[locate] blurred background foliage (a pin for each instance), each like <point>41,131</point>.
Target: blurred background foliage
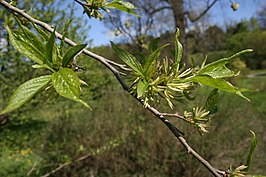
<point>120,138</point>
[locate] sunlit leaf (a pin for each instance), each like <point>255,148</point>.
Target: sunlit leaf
<point>141,88</point>
<point>67,84</point>
<point>71,53</point>
<point>25,46</point>
<point>251,150</point>
<point>57,58</point>
<point>178,48</point>
<point>38,66</point>
<point>129,59</point>
<point>218,83</point>
<point>43,34</point>
<point>123,6</point>
<point>217,69</point>
<point>30,37</point>
<point>25,92</point>
<point>220,72</point>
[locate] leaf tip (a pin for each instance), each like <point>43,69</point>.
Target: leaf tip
<point>241,95</point>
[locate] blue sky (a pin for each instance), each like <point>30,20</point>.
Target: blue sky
<point>220,14</point>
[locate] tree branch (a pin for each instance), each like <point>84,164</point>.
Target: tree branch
<point>202,13</point>
<point>159,9</point>
<point>175,115</point>
<point>105,62</point>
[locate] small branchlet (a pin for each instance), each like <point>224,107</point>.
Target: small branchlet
<point>94,8</point>
<point>199,118</point>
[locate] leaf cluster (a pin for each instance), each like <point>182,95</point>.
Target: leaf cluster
<point>93,8</point>
<point>47,55</point>
<point>165,77</point>
<point>168,78</point>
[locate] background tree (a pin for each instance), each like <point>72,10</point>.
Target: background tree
<point>159,17</point>
<point>261,16</point>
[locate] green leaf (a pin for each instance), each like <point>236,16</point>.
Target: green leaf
<point>211,103</point>
<point>49,48</point>
<point>220,72</point>
<point>71,53</point>
<point>217,69</point>
<point>141,88</point>
<point>57,58</point>
<point>38,66</point>
<point>25,46</point>
<point>178,48</point>
<point>67,84</point>
<point>251,150</point>
<point>43,34</point>
<point>25,92</point>
<point>151,61</point>
<point>31,37</point>
<point>123,6</point>
<point>218,83</point>
<point>129,59</point>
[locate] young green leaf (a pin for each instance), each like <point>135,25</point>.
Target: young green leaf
<point>30,37</point>
<point>218,83</point>
<point>67,84</point>
<point>49,48</point>
<point>178,48</point>
<point>57,58</point>
<point>251,150</point>
<point>211,103</point>
<point>71,53</point>
<point>151,61</point>
<point>25,92</point>
<point>141,88</point>
<point>24,46</point>
<point>37,66</point>
<point>217,69</point>
<point>129,59</point>
<point>43,34</point>
<point>123,6</point>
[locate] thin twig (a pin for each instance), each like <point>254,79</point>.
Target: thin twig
<point>175,115</point>
<point>202,13</point>
<point>80,3</point>
<point>178,134</point>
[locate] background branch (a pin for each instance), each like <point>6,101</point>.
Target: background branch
<point>202,13</point>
